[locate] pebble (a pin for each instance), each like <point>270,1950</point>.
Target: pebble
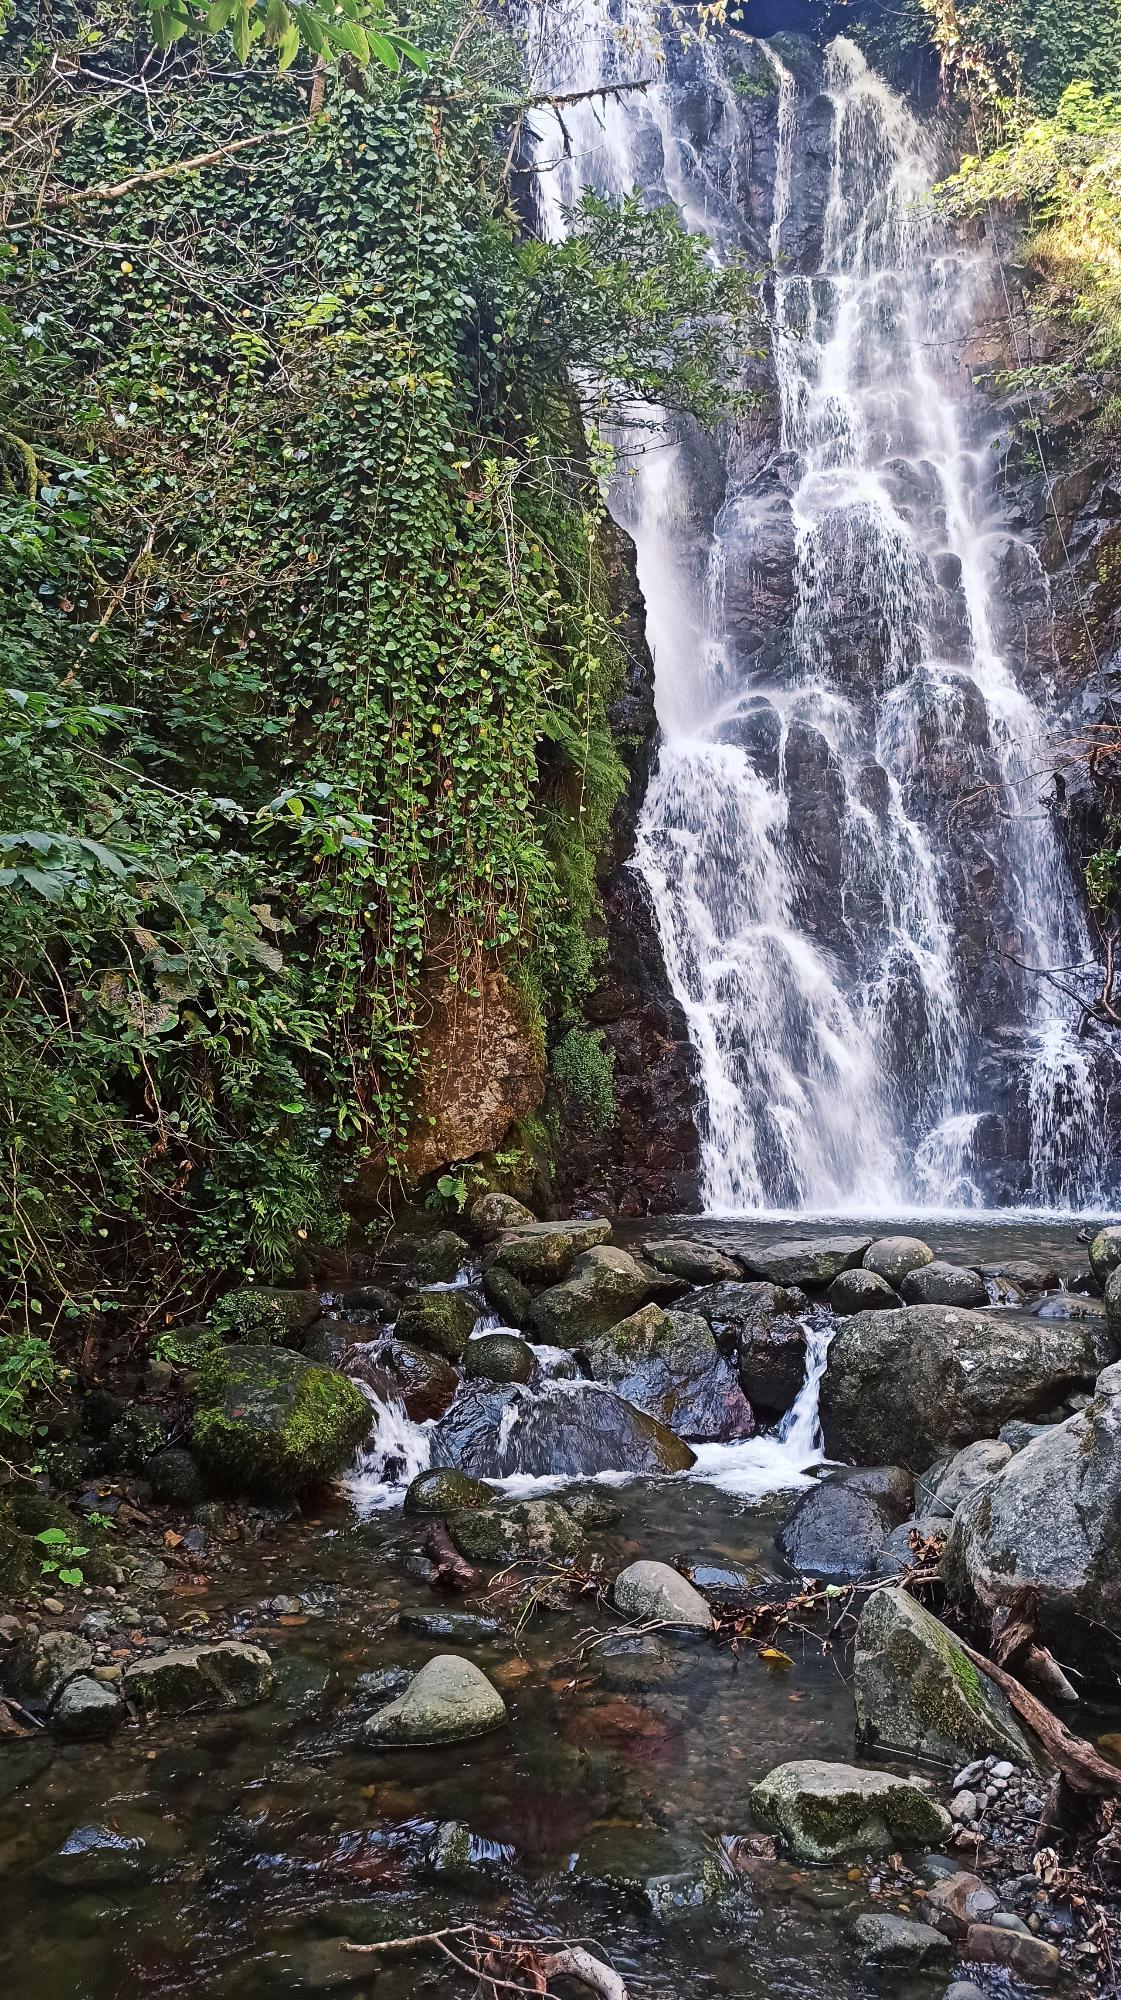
<point>54,1606</point>
<point>964,1808</point>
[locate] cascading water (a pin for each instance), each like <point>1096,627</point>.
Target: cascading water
<point>844,842</point>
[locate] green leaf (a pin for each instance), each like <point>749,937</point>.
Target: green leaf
<point>71,1576</point>
<point>53,1538</point>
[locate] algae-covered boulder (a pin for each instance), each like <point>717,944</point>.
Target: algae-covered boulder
<point>515,1532</point>
<point>538,1253</point>
<point>269,1421</point>
<point>449,1701</point>
<point>266,1313</point>
<point>833,1812</point>
<point>1105,1252</point>
<point>811,1261</point>
<point>491,1214</point>
<point>444,1491</point>
<point>432,1259</point>
<point>603,1287</point>
<point>188,1679</point>
<point>861,1291</point>
<point>499,1357</point>
<point>917,1692</point>
<point>908,1386</point>
<point>175,1477</point>
<point>564,1429</point>
<point>668,1364</point>
<point>893,1258</point>
<point>440,1321</point>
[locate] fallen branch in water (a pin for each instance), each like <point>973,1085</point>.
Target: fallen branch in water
<point>533,1962</point>
<point>1077,1760</point>
<point>453,1571</point>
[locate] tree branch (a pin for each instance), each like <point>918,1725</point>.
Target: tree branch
<point>112,190</point>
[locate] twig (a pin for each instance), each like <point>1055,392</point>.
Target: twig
<point>112,190</point>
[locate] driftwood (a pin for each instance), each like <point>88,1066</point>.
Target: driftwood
<point>1077,1760</point>
<point>509,1965</point>
<point>453,1572</point>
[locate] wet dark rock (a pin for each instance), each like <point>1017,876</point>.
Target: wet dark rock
<point>491,1215</point>
<point>448,1701</point>
<point>939,1284</point>
<point>99,1857</point>
<point>916,1692</point>
<point>760,1327</point>
<point>385,1684</point>
<point>603,1287</point>
<point>300,1683</point>
<point>574,1429</point>
<point>885,1940</point>
<point>190,1679</point>
<point>423,1382</point>
<point>861,1291</point>
<point>498,1357</point>
<point>267,1420</point>
<point>87,1709</point>
<point>893,1258</point>
<point>810,1262</point>
<point>175,1477</point>
<point>718,1578</point>
<point>1047,1524</point>
<point>541,1253</point>
<point>427,1260</point>
<point>699,1263</point>
<point>39,1665</point>
<point>515,1532</point>
<point>1069,1305</point>
<point>592,1510</point>
<point>657,1872</point>
<point>910,1385</point>
<point>444,1491</point>
<point>1029,1278</point>
<point>458,1856</point>
<point>378,1302</point>
<point>458,1628</point>
<point>507,1295</point>
<point>835,1531</point>
<point>668,1364</point>
<point>830,1812</point>
<point>952,1480</point>
<point>652,1592</point>
<point>439,1321</point>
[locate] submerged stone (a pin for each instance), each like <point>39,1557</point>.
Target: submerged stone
<point>188,1679</point>
<point>448,1701</point>
<point>832,1812</point>
<point>269,1421</point>
<point>884,1939</point>
<point>515,1532</point>
<point>917,1692</point>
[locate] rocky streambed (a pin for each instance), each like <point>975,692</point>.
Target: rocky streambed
<point>392,1618</point>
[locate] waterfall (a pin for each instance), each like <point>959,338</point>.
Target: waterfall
<point>844,840</point>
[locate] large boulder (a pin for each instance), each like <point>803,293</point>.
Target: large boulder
<point>893,1258</point>
<point>918,1693</point>
<point>836,1529</point>
<point>939,1284</point>
<point>760,1326</point>
<point>41,1664</point>
<point>423,1383</point>
<point>603,1287</point>
<point>1048,1528</point>
<point>188,1679</point>
<point>449,1701</point>
<point>539,1253</point>
<point>810,1261</point>
<point>861,1291</point>
<point>269,1421</point>
<point>440,1321</point>
<point>653,1593</point>
<point>498,1357</point>
<point>668,1364</point>
<point>562,1428</point>
<point>833,1812</point>
<point>907,1386</point>
<point>950,1481</point>
<point>492,1214</point>
<point>698,1263</point>
<point>1105,1252</point>
<point>87,1709</point>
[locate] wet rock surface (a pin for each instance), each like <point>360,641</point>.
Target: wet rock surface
<point>668,1364</point>
<point>917,1692</point>
<point>572,1429</point>
<point>824,1812</point>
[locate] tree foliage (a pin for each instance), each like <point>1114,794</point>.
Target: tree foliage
<point>304,655</point>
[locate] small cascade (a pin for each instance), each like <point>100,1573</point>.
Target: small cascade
<point>851,866</point>
<point>778,1459</point>
<point>396,1450</point>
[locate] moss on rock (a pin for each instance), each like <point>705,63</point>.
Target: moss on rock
<point>440,1321</point>
<point>269,1421</point>
<point>917,1691</point>
<point>267,1313</point>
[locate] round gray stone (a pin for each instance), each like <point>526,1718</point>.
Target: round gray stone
<point>449,1701</point>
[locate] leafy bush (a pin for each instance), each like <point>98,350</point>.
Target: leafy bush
<point>585,1069</point>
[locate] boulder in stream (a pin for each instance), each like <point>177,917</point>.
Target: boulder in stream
<point>604,1285</point>
<point>813,1261</point>
<point>1048,1525</point>
<point>439,1321</point>
<point>499,1357</point>
<point>907,1386</point>
<point>449,1701</point>
<point>698,1263</point>
<point>515,1532</point>
<point>443,1491</point>
<point>540,1253</point>
<point>668,1364</point>
<point>269,1421</point>
<point>760,1327</point>
<point>893,1258</point>
<point>940,1284</point>
<point>861,1291</point>
<point>87,1709</point>
<point>570,1429</point>
<point>653,1593</point>
<point>1105,1252</point>
<point>424,1383</point>
<point>831,1812</point>
<point>836,1529</point>
<point>918,1693</point>
<point>950,1481</point>
<point>189,1679</point>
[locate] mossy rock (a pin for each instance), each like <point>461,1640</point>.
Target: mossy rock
<point>444,1491</point>
<point>19,1565</point>
<point>269,1421</point>
<point>440,1321</point>
<point>529,1528</point>
<point>507,1294</point>
<point>499,1357</point>
<point>32,1512</point>
<point>832,1812</point>
<point>433,1259</point>
<point>916,1691</point>
<point>266,1313</point>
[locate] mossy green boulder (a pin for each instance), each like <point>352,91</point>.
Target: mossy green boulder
<point>541,1252</point>
<point>916,1691</point>
<point>442,1490</point>
<point>269,1421</point>
<point>499,1357</point>
<point>834,1812</point>
<point>193,1678</point>
<point>440,1321</point>
<point>268,1313</point>
<point>517,1533</point>
<point>19,1569</point>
